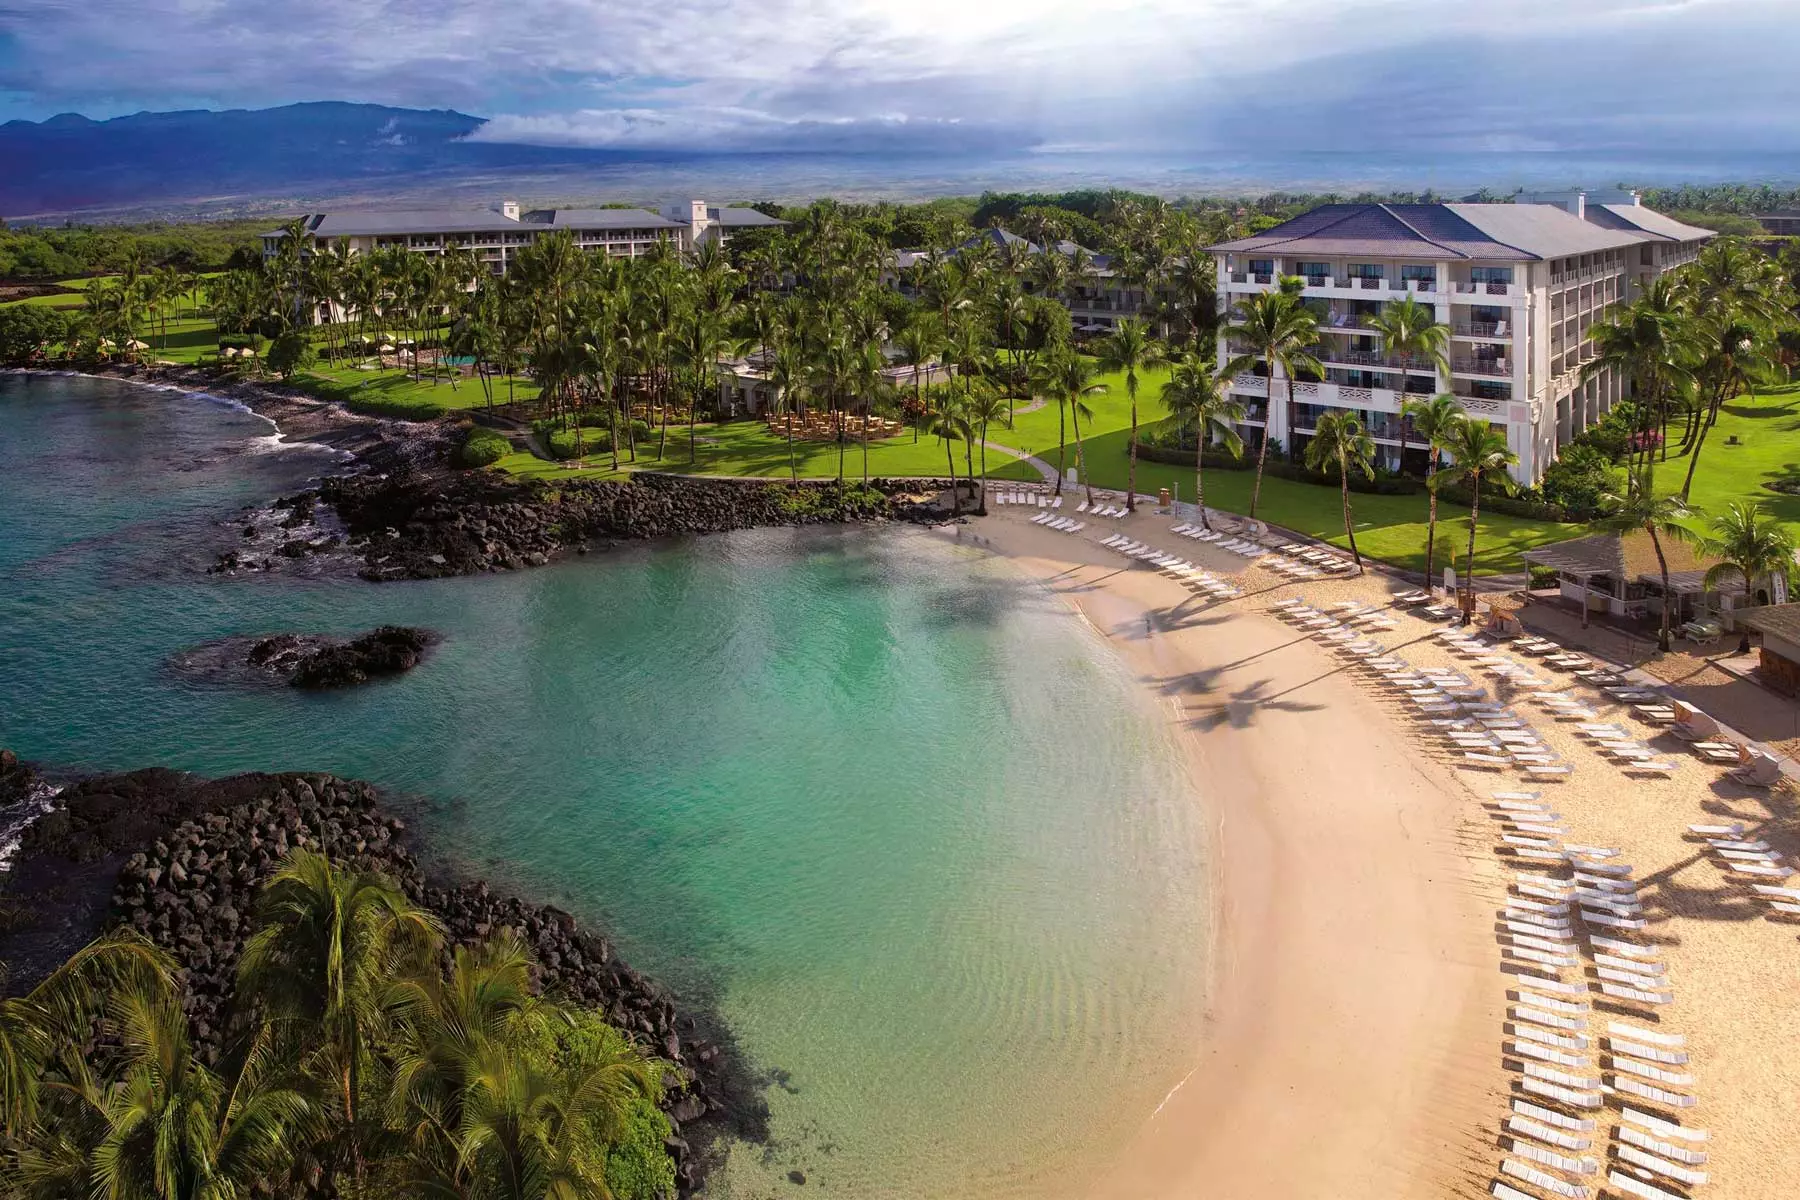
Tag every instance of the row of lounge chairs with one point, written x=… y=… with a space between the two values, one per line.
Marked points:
x=1318 y=558
x=1028 y=498
x=1548 y=1019
x=1060 y=524
x=1243 y=547
x=1194 y=578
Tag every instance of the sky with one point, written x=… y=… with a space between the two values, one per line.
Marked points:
x=1106 y=75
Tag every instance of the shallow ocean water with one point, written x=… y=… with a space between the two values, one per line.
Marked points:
x=898 y=816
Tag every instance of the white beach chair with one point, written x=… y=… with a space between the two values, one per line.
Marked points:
x=1562 y=1095
x=1660 y=1166
x=1663 y=1128
x=1633 y=1136
x=1548 y=1116
x=1537 y=1178
x=1523 y=1126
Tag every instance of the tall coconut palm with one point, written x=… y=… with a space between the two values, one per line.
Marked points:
x=1277 y=333
x=987 y=406
x=1194 y=398
x=1411 y=335
x=1436 y=420
x=1069 y=376
x=919 y=341
x=1478 y=454
x=329 y=942
x=947 y=420
x=1648 y=343
x=1733 y=354
x=1341 y=441
x=1129 y=350
x=1641 y=509
x=1752 y=546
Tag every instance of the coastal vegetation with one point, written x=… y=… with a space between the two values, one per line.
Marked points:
x=364 y=1057
x=960 y=364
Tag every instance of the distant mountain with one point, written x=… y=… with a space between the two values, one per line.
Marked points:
x=69 y=164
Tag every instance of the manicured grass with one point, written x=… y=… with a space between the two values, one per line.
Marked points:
x=747 y=448
x=396 y=394
x=53 y=300
x=1767 y=429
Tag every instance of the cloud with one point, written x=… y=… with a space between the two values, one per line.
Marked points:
x=885 y=76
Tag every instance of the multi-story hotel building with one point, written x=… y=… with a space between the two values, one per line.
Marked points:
x=1520 y=285
x=495 y=236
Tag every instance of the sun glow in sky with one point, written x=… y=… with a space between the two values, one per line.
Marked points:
x=1315 y=74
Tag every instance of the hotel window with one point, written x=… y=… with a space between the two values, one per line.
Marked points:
x=1262 y=266
x=1491 y=274
x=1316 y=273
x=1367 y=271
x=1423 y=273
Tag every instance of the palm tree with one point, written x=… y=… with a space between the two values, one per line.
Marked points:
x=946 y=420
x=329 y=942
x=1341 y=441
x=1648 y=344
x=1193 y=397
x=1478 y=452
x=1660 y=517
x=1411 y=333
x=173 y=1130
x=1437 y=420
x=986 y=405
x=1277 y=331
x=1129 y=350
x=1069 y=376
x=1732 y=358
x=918 y=342
x=1752 y=545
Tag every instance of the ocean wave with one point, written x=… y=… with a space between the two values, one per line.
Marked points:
x=17 y=818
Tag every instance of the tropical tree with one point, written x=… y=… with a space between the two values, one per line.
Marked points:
x=329 y=943
x=1751 y=545
x=1129 y=350
x=1340 y=441
x=1641 y=509
x=985 y=406
x=1069 y=376
x=1276 y=334
x=947 y=420
x=1411 y=335
x=1194 y=398
x=1478 y=454
x=1648 y=343
x=1437 y=421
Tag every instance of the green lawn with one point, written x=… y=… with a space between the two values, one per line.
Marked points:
x=1767 y=429
x=747 y=448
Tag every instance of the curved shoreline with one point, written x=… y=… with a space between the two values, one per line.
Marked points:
x=1348 y=1044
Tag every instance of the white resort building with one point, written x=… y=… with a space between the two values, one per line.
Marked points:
x=496 y=234
x=1519 y=284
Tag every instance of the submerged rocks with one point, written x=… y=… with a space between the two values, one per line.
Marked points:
x=424 y=527
x=306 y=660
x=17 y=780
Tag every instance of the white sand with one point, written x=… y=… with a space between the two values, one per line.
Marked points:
x=1353 y=1042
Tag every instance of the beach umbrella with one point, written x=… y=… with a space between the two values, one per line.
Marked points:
x=386 y=348
x=136 y=345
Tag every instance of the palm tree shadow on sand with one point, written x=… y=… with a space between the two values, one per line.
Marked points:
x=1238 y=709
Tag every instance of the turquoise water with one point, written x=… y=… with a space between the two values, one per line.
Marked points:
x=898 y=815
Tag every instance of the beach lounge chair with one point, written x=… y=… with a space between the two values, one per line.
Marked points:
x=1656 y=1054
x=1526 y=1049
x=1559 y=1077
x=1549 y=1116
x=1566 y=1041
x=1527 y=1127
x=1660 y=1166
x=1550 y=1020
x=1621 y=991
x=1551 y=1158
x=1633 y=1136
x=1537 y=1178
x=1663 y=1128
x=1637 y=1187
x=1562 y=1095
x=1657 y=1074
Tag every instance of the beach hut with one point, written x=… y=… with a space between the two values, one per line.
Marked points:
x=1619 y=574
x=1779 y=664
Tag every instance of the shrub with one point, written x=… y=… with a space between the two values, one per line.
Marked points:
x=27 y=330
x=291 y=352
x=483 y=447
x=561 y=442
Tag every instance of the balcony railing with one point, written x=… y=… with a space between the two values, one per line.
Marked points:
x=1493 y=329
x=1255 y=384
x=1484 y=405
x=1481 y=366
x=1484 y=289
x=1369 y=358
x=1318 y=281
x=1367 y=283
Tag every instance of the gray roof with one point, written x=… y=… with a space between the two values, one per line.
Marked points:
x=405 y=221
x=1782 y=620
x=599 y=218
x=1646 y=220
x=742 y=218
x=1509 y=232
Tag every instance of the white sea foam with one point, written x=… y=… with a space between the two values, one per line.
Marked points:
x=15 y=820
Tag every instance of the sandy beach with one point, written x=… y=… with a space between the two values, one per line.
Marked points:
x=1356 y=1040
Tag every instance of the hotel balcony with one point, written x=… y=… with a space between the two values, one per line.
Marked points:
x=1460 y=288
x=1493 y=368
x=1495 y=330
x=1364 y=286
x=1306 y=391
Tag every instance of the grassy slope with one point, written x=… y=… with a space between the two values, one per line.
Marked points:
x=1767 y=428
